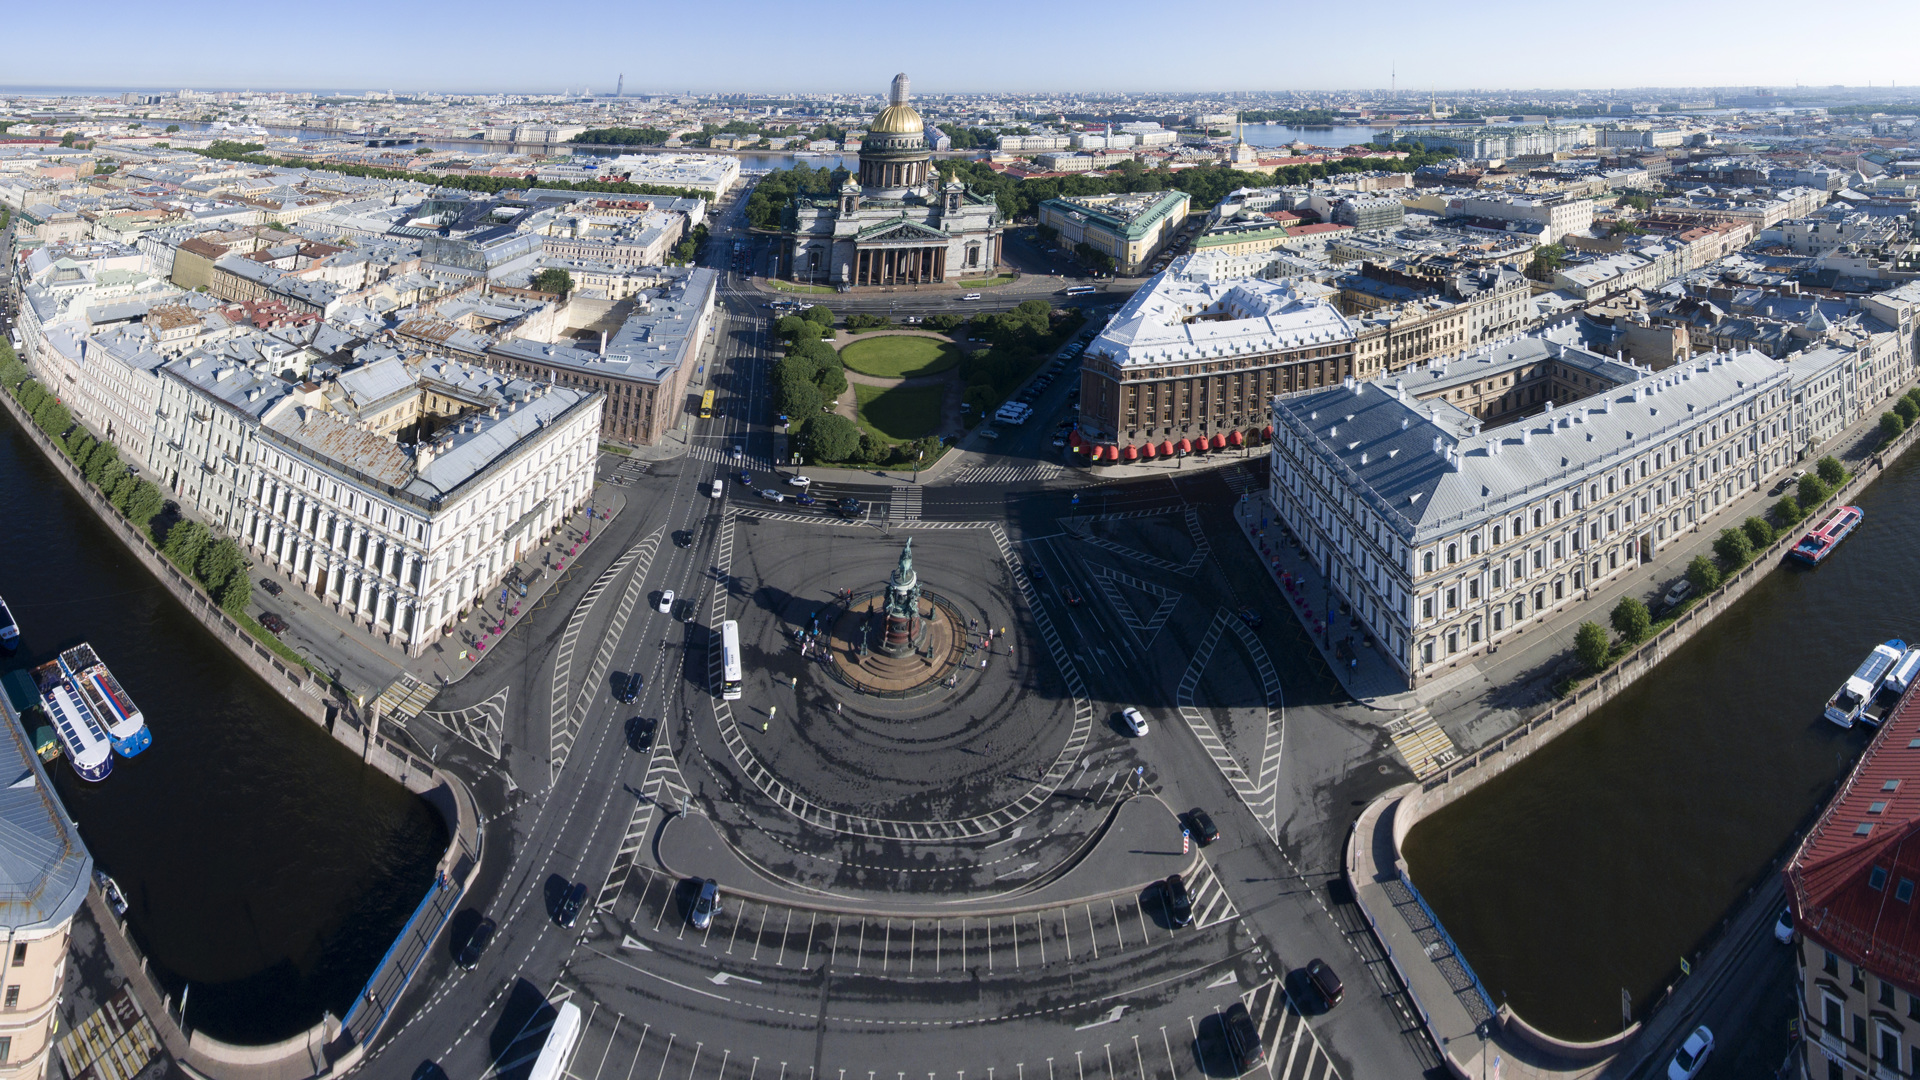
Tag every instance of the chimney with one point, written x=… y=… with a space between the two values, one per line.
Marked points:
x=422 y=457
x=1526 y=436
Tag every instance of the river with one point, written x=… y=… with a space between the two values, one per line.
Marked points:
x=1605 y=857
x=264 y=864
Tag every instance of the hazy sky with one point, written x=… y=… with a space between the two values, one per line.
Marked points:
x=980 y=45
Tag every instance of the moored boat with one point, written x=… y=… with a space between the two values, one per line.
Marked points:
x=111 y=706
x=1894 y=686
x=9 y=630
x=89 y=749
x=1850 y=702
x=1819 y=543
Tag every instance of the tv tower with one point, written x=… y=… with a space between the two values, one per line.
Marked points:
x=620 y=87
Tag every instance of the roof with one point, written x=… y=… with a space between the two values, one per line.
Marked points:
x=1866 y=836
x=45 y=868
x=1178 y=318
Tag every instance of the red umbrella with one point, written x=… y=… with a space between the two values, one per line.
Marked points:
x=1219 y=441
x=1148 y=451
x=1166 y=448
x=1185 y=446
x=1234 y=439
x=1130 y=454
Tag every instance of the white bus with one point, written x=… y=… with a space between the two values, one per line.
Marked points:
x=730 y=660
x=1081 y=290
x=561 y=1039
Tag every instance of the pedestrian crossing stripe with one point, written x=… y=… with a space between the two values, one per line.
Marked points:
x=1008 y=474
x=903 y=502
x=1294 y=1051
x=1422 y=742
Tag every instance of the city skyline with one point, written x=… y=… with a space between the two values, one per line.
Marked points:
x=850 y=48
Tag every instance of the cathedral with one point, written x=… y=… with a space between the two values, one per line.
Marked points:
x=893 y=224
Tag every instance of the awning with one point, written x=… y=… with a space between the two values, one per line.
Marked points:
x=1234 y=438
x=1185 y=446
x=1219 y=441
x=1166 y=448
x=1148 y=451
x=1074 y=440
x=1130 y=454
x=1267 y=435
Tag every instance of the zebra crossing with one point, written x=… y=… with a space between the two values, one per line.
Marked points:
x=1008 y=474
x=1240 y=479
x=404 y=698
x=721 y=453
x=903 y=503
x=1421 y=741
x=626 y=471
x=1293 y=1050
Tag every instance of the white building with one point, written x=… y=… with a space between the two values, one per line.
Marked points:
x=1556 y=215
x=710 y=174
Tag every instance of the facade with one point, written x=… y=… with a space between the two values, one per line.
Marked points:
x=1553 y=215
x=1130 y=229
x=1446 y=536
x=893 y=223
x=713 y=175
x=1364 y=213
x=205 y=432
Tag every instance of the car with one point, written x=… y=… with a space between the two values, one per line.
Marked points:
x=1250 y=617
x=1131 y=719
x=571 y=904
x=666 y=601
x=630 y=690
x=737 y=452
x=1243 y=1039
x=1692 y=1055
x=796 y=480
x=1059 y=440
x=971 y=296
x=706 y=903
x=806 y=500
x=1325 y=983
x=640 y=731
x=683 y=538
x=1677 y=595
x=990 y=433
x=476 y=945
x=771 y=495
x=719 y=488
x=849 y=507
x=1783 y=928
x=1179 y=901
x=1036 y=572
x=273 y=624
x=746 y=477
x=272 y=586
x=1070 y=595
x=1200 y=824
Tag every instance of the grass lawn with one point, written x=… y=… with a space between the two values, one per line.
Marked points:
x=790 y=286
x=900 y=356
x=985 y=282
x=899 y=415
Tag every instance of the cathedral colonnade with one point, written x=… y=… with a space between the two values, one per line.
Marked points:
x=900 y=266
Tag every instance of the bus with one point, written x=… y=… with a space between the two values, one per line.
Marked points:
x=562 y=1037
x=1081 y=290
x=730 y=661
x=706 y=405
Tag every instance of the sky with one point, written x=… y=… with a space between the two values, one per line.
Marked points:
x=980 y=46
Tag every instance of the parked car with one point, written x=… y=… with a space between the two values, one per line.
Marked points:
x=1325 y=982
x=1179 y=903
x=1783 y=927
x=630 y=690
x=1692 y=1055
x=272 y=624
x=1676 y=595
x=476 y=945
x=666 y=601
x=1131 y=719
x=771 y=495
x=272 y=586
x=1243 y=1039
x=989 y=433
x=707 y=904
x=571 y=904
x=1200 y=824
x=800 y=481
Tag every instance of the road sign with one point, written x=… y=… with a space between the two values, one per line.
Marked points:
x=1186 y=841
x=1685 y=968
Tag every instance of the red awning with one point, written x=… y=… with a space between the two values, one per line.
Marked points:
x=1234 y=438
x=1166 y=448
x=1185 y=446
x=1267 y=435
x=1148 y=451
x=1106 y=453
x=1076 y=441
x=1130 y=454
x=1219 y=441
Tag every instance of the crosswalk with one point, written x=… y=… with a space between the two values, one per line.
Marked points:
x=404 y=698
x=903 y=503
x=626 y=471
x=1293 y=1050
x=1240 y=479
x=721 y=453
x=1421 y=741
x=1008 y=474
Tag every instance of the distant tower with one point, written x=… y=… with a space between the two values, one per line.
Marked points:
x=620 y=87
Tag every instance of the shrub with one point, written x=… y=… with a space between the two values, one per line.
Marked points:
x=820 y=314
x=1831 y=472
x=1811 y=493
x=832 y=437
x=1909 y=412
x=1732 y=548
x=1703 y=575
x=1591 y=645
x=1631 y=620
x=1759 y=533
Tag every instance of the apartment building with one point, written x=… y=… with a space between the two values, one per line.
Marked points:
x=1130 y=229
x=206 y=430
x=1446 y=536
x=1554 y=216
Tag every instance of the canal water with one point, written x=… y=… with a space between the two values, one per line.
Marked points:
x=264 y=865
x=1601 y=860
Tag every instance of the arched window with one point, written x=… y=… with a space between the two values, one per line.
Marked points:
x=1427 y=562
x=1473 y=543
x=1453 y=554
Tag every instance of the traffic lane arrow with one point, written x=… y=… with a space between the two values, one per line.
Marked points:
x=722 y=978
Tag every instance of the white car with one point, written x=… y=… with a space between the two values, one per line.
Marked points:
x=737 y=453
x=800 y=481
x=1783 y=929
x=971 y=296
x=1134 y=722
x=1692 y=1055
x=666 y=602
x=719 y=488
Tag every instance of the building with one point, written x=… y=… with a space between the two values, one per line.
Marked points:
x=1553 y=216
x=1447 y=535
x=1188 y=358
x=1851 y=886
x=893 y=224
x=1368 y=213
x=205 y=432
x=713 y=175
x=45 y=877
x=1129 y=229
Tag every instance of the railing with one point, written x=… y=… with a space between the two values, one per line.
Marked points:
x=1447 y=939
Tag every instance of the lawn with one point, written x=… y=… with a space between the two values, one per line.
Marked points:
x=900 y=356
x=796 y=287
x=899 y=415
x=986 y=282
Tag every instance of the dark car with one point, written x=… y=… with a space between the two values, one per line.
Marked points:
x=640 y=732
x=1250 y=617
x=1243 y=1039
x=631 y=689
x=476 y=945
x=273 y=624
x=849 y=508
x=1179 y=901
x=683 y=538
x=746 y=477
x=570 y=905
x=1070 y=595
x=806 y=500
x=272 y=586
x=1201 y=825
x=683 y=610
x=1325 y=983
x=1036 y=572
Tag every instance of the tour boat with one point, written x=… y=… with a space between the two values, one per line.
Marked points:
x=1818 y=544
x=1899 y=679
x=110 y=705
x=110 y=892
x=9 y=630
x=88 y=747
x=1850 y=701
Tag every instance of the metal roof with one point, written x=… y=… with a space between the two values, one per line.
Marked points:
x=45 y=868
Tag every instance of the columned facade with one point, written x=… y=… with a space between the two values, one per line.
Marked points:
x=900 y=266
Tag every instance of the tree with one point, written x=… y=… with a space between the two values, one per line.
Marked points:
x=1832 y=473
x=219 y=562
x=832 y=380
x=553 y=280
x=1890 y=427
x=832 y=437
x=79 y=445
x=1732 y=548
x=185 y=541
x=69 y=138
x=171 y=128
x=235 y=594
x=1631 y=620
x=1590 y=644
x=1759 y=533
x=1811 y=493
x=1787 y=512
x=1909 y=412
x=820 y=314
x=1703 y=575
x=144 y=502
x=103 y=464
x=53 y=418
x=1547 y=260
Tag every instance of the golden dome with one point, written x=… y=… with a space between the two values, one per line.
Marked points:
x=900 y=119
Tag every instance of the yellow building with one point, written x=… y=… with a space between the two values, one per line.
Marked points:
x=1129 y=229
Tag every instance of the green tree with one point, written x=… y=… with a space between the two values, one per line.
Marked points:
x=1631 y=620
x=1732 y=548
x=144 y=502
x=171 y=128
x=820 y=314
x=1909 y=412
x=79 y=445
x=69 y=138
x=53 y=418
x=1811 y=493
x=832 y=437
x=1590 y=644
x=103 y=464
x=1787 y=512
x=1832 y=473
x=1703 y=575
x=553 y=280
x=1547 y=259
x=832 y=380
x=235 y=594
x=185 y=541
x=219 y=562
x=1759 y=533
x=1890 y=427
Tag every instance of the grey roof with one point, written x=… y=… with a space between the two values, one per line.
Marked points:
x=45 y=868
x=649 y=346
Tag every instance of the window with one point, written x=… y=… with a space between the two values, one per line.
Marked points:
x=1877 y=878
x=1453 y=554
x=1497 y=578
x=1886 y=994
x=1903 y=892
x=1830 y=964
x=1499 y=619
x=20 y=954
x=1830 y=1014
x=1426 y=607
x=13 y=996
x=1426 y=652
x=1453 y=597
x=1473 y=543
x=1427 y=562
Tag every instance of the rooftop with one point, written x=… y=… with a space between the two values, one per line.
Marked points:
x=1180 y=317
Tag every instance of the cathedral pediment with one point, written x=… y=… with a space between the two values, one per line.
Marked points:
x=899 y=231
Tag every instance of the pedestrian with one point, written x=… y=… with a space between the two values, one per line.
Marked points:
x=837 y=708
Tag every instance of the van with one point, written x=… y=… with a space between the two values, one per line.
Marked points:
x=719 y=488
x=971 y=296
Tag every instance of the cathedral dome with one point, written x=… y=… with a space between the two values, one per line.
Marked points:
x=898 y=118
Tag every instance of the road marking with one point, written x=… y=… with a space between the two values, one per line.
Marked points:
x=1111 y=1016
x=722 y=978
x=1117 y=936
x=1228 y=979
x=782 y=961
x=1091 y=936
x=628 y=941
x=664 y=1056
x=1014 y=921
